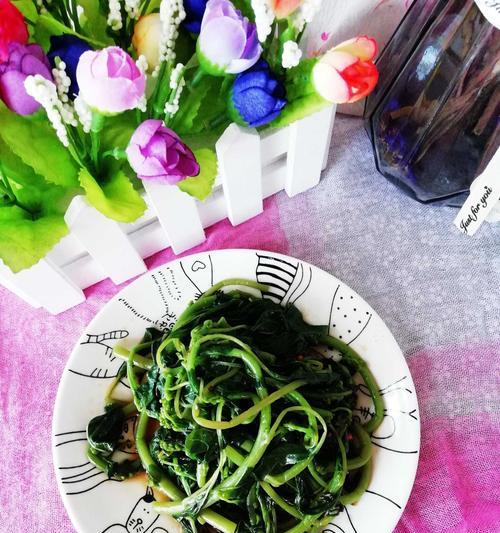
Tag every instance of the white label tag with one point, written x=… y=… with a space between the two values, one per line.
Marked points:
x=491 y=10
x=484 y=196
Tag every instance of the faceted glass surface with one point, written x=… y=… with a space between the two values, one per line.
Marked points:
x=434 y=120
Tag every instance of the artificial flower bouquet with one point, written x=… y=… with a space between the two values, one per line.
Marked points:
x=98 y=95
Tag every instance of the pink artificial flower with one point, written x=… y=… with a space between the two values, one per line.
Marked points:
x=157 y=153
x=284 y=8
x=346 y=73
x=110 y=82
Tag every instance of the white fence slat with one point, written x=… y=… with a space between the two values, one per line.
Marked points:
x=105 y=241
x=240 y=168
x=251 y=167
x=46 y=284
x=309 y=140
x=178 y=215
x=331 y=120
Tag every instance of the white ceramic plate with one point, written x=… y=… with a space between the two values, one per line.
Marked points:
x=97 y=505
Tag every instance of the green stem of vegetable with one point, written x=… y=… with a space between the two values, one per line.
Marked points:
x=340 y=473
x=350 y=354
x=354 y=496
x=366 y=449
x=280 y=479
x=257 y=408
x=280 y=501
x=219 y=522
x=138 y=360
x=316 y=476
x=304 y=525
x=153 y=470
x=235 y=282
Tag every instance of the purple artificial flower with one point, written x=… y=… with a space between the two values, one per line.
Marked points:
x=23 y=61
x=110 y=82
x=157 y=153
x=228 y=42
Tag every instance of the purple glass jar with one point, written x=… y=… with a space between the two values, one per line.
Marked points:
x=434 y=117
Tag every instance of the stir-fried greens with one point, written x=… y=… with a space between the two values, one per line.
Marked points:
x=242 y=420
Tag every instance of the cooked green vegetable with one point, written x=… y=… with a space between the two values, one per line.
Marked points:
x=242 y=421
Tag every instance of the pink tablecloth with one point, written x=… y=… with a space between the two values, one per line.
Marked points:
x=436 y=289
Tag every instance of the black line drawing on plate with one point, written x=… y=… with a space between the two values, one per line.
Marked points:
x=83 y=476
x=68 y=437
x=389 y=428
x=200 y=273
x=348 y=315
x=167 y=288
x=287 y=280
x=141 y=519
x=350 y=520
x=100 y=363
x=126 y=443
x=333 y=528
x=384 y=498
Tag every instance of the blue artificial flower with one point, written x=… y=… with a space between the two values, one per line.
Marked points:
x=69 y=49
x=195 y=10
x=257 y=97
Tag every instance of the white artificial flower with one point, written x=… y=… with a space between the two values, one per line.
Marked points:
x=291 y=54
x=172 y=13
x=264 y=18
x=45 y=93
x=133 y=8
x=306 y=13
x=114 y=20
x=84 y=113
x=177 y=84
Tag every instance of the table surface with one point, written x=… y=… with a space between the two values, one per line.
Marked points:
x=436 y=289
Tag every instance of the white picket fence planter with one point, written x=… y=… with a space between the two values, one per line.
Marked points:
x=252 y=167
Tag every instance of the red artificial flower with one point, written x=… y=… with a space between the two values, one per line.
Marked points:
x=346 y=73
x=12 y=28
x=283 y=8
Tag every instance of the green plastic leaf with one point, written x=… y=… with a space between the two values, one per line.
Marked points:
x=27 y=8
x=34 y=141
x=47 y=26
x=299 y=109
x=201 y=186
x=115 y=197
x=299 y=79
x=118 y=130
x=24 y=241
x=94 y=21
x=16 y=170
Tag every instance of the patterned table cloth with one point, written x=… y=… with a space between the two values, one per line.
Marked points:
x=436 y=289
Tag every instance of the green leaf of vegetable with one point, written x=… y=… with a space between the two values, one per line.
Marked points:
x=104 y=431
x=24 y=241
x=34 y=141
x=201 y=186
x=115 y=197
